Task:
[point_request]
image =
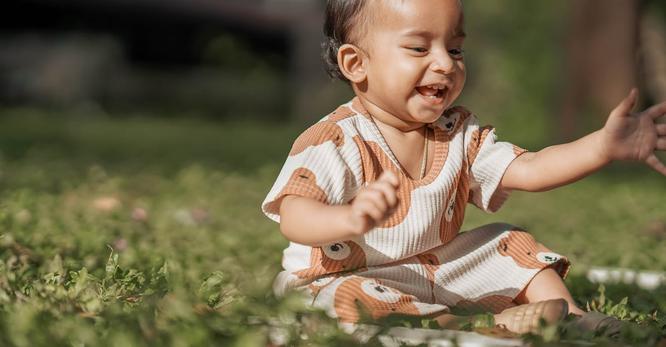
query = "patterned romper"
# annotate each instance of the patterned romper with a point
(417, 262)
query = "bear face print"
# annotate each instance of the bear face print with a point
(453, 118)
(377, 299)
(526, 252)
(332, 258)
(302, 182)
(455, 210)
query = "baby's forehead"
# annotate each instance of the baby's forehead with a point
(396, 13)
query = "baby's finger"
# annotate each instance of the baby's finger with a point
(656, 164)
(388, 191)
(390, 177)
(661, 143)
(376, 196)
(626, 105)
(368, 208)
(361, 222)
(661, 129)
(657, 110)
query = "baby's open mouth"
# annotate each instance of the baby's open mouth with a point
(432, 92)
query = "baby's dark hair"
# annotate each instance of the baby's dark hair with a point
(339, 28)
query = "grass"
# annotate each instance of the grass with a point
(137, 231)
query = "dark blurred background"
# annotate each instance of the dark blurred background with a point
(540, 71)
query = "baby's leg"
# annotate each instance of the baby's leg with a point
(547, 284)
(454, 322)
(518, 319)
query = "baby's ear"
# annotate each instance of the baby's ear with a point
(351, 61)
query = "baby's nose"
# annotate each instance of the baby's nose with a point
(443, 63)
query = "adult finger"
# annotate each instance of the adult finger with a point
(657, 110)
(626, 105)
(661, 129)
(656, 164)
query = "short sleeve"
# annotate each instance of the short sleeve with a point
(315, 168)
(488, 160)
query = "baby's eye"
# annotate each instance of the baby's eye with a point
(419, 49)
(457, 53)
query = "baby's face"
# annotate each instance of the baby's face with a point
(415, 67)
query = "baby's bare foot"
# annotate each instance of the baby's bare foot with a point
(525, 318)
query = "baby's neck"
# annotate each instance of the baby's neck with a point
(399, 132)
(406, 140)
(388, 121)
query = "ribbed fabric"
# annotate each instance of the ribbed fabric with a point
(418, 251)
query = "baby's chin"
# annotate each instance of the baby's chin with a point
(428, 113)
(425, 116)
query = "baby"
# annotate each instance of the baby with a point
(372, 197)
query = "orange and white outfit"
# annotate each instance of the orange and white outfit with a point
(417, 262)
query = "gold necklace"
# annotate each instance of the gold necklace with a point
(424, 160)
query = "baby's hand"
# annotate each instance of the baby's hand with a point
(635, 136)
(374, 203)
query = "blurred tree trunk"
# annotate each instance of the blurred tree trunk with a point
(308, 77)
(313, 92)
(653, 55)
(601, 59)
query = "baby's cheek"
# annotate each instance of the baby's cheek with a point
(460, 79)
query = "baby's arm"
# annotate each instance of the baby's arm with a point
(555, 166)
(309, 222)
(626, 136)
